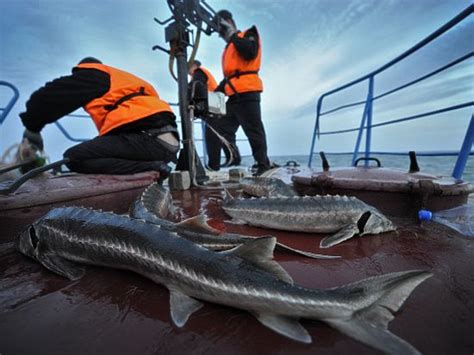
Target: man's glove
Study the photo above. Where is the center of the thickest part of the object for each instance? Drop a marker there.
(227, 29)
(34, 138)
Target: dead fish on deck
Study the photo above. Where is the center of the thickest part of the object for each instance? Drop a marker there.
(154, 204)
(266, 187)
(348, 216)
(362, 310)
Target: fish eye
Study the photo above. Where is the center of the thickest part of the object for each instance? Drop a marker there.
(33, 238)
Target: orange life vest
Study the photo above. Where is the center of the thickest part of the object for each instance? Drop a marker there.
(241, 75)
(129, 99)
(211, 82)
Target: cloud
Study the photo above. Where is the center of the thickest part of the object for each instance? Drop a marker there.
(309, 47)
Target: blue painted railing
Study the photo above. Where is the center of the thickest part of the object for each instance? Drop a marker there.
(4, 111)
(367, 116)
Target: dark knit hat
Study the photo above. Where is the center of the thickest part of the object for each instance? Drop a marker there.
(224, 14)
(90, 60)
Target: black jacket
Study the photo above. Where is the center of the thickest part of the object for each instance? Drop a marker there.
(66, 94)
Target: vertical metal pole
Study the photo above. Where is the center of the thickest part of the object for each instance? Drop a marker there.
(316, 131)
(465, 151)
(361, 128)
(186, 124)
(204, 144)
(368, 133)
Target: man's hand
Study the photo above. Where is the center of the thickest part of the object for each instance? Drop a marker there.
(227, 29)
(34, 138)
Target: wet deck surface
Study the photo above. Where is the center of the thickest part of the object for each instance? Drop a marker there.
(117, 312)
(37, 196)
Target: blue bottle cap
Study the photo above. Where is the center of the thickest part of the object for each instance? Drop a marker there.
(425, 215)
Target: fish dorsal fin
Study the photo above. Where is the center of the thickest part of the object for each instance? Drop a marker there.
(198, 224)
(182, 306)
(260, 253)
(288, 327)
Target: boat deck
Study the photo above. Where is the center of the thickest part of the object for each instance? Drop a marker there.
(117, 312)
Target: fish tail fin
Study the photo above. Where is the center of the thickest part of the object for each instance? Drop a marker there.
(380, 298)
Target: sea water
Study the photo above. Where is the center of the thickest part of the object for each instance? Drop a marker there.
(432, 165)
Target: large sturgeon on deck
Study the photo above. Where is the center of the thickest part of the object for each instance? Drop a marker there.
(67, 236)
(154, 204)
(348, 216)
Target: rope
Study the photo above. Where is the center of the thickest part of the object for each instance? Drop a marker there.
(224, 142)
(5, 157)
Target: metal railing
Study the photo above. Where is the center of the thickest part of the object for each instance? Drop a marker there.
(366, 123)
(4, 111)
(197, 121)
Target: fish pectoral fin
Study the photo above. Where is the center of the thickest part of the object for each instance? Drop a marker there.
(377, 337)
(345, 233)
(259, 252)
(62, 266)
(287, 327)
(198, 224)
(182, 306)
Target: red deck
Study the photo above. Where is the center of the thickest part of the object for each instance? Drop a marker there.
(37, 196)
(116, 312)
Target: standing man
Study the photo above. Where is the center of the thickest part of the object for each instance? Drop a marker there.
(240, 64)
(202, 82)
(137, 129)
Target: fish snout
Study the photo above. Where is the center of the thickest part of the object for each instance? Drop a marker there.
(378, 223)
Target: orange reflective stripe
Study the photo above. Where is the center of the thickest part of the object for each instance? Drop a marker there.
(130, 98)
(241, 75)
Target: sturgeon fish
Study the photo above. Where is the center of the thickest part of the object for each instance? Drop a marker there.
(348, 216)
(154, 204)
(67, 237)
(266, 187)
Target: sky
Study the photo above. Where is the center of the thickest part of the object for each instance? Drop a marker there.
(309, 47)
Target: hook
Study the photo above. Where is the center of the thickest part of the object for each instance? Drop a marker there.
(163, 22)
(161, 49)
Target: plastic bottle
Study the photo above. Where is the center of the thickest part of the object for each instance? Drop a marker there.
(459, 218)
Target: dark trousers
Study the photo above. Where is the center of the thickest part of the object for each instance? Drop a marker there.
(124, 153)
(244, 110)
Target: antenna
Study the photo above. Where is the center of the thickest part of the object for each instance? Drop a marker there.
(177, 33)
